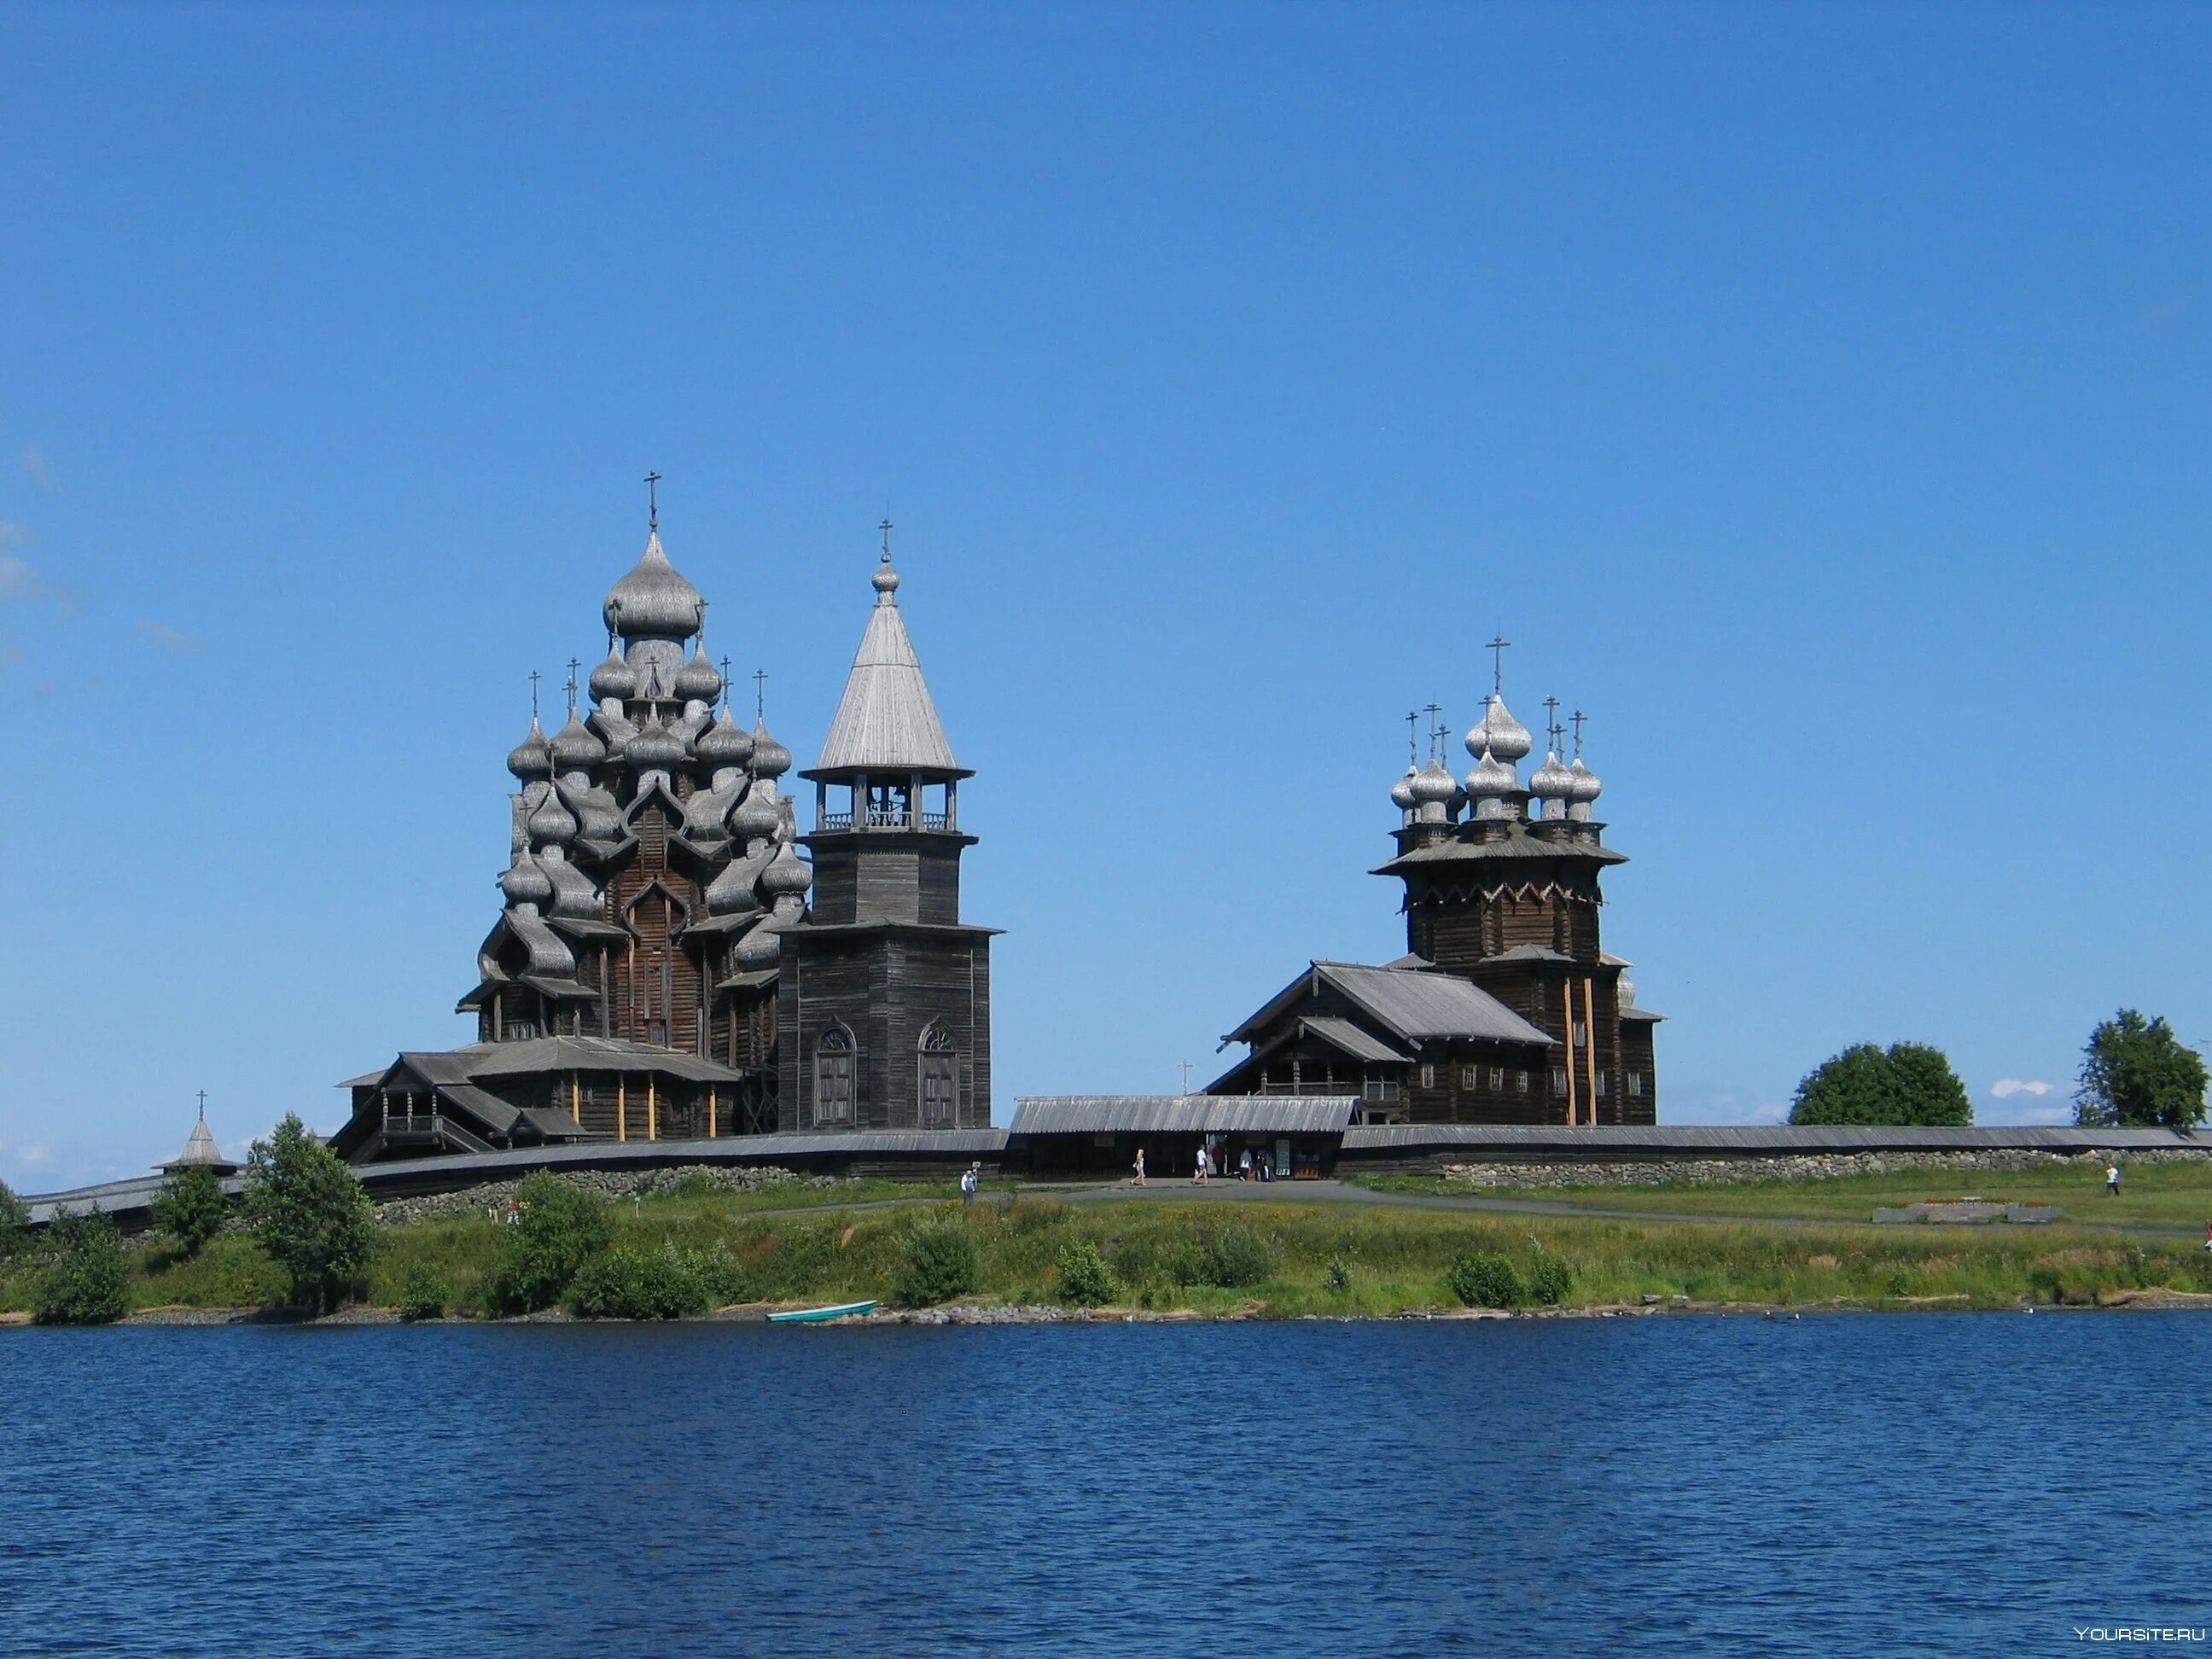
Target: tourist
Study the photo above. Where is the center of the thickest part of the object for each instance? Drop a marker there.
(967, 1185)
(1244, 1164)
(1198, 1170)
(2112, 1179)
(1141, 1168)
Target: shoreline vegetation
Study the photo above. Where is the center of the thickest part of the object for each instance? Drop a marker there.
(699, 1250)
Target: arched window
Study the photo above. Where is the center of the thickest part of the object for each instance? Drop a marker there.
(939, 1063)
(833, 1076)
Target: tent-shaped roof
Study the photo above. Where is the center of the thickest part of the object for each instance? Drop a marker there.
(201, 1150)
(886, 720)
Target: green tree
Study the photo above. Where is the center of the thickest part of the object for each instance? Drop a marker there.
(309, 1212)
(15, 1223)
(1907, 1082)
(2136, 1074)
(190, 1207)
(558, 1228)
(86, 1279)
(939, 1261)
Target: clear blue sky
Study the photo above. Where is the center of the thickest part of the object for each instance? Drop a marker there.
(1817, 396)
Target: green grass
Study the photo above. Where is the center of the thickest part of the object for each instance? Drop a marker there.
(2173, 1195)
(1397, 1259)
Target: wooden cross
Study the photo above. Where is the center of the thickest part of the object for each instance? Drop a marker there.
(1551, 727)
(533, 695)
(1412, 740)
(1432, 711)
(202, 1105)
(726, 682)
(760, 695)
(886, 527)
(653, 501)
(574, 663)
(1576, 720)
(1497, 648)
(1186, 1077)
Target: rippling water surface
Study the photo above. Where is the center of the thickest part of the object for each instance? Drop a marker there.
(1923, 1483)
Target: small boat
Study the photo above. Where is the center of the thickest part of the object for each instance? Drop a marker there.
(816, 1315)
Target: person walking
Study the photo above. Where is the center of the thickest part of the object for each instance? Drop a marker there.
(1244, 1164)
(1141, 1168)
(1198, 1170)
(967, 1185)
(2112, 1179)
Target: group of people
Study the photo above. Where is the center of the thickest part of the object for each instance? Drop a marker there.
(1248, 1167)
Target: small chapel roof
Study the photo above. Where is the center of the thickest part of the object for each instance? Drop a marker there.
(887, 720)
(201, 1150)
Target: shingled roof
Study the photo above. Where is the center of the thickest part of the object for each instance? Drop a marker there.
(886, 720)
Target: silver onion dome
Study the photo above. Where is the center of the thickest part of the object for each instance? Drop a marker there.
(551, 822)
(698, 680)
(613, 680)
(654, 602)
(723, 744)
(1551, 781)
(531, 758)
(885, 580)
(1587, 788)
(1433, 786)
(1499, 734)
(757, 815)
(653, 748)
(770, 758)
(1489, 786)
(524, 883)
(1401, 792)
(576, 747)
(787, 872)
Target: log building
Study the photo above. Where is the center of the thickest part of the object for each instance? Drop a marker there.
(656, 972)
(1506, 1008)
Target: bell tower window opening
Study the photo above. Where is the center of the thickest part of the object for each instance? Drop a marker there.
(833, 1076)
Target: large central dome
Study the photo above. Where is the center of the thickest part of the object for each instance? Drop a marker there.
(654, 602)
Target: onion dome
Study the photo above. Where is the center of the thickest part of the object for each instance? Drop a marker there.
(1551, 781)
(756, 817)
(770, 758)
(698, 680)
(574, 893)
(524, 883)
(613, 680)
(1401, 792)
(531, 758)
(576, 747)
(760, 947)
(1499, 733)
(653, 602)
(787, 874)
(723, 744)
(551, 821)
(886, 580)
(1587, 788)
(732, 891)
(1493, 781)
(654, 748)
(1433, 786)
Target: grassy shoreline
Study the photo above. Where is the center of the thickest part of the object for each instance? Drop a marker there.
(1326, 1260)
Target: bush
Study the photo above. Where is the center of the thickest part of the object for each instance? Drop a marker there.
(725, 1276)
(1238, 1256)
(310, 1213)
(424, 1293)
(629, 1282)
(2136, 1074)
(1486, 1281)
(558, 1228)
(939, 1261)
(86, 1279)
(1908, 1083)
(15, 1223)
(1551, 1280)
(1337, 1274)
(190, 1208)
(1084, 1278)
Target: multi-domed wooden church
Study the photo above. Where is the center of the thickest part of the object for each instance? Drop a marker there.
(657, 970)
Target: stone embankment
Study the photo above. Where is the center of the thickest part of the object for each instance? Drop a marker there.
(608, 1183)
(1795, 1167)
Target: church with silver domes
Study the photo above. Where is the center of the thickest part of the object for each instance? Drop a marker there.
(657, 971)
(1506, 1008)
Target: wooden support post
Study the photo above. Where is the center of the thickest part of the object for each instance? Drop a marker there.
(575, 1098)
(1567, 991)
(710, 1114)
(651, 1108)
(1590, 1048)
(622, 1108)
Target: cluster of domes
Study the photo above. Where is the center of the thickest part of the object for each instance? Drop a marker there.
(1499, 742)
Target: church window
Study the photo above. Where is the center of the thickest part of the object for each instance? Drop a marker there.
(939, 1083)
(1428, 1077)
(1601, 1085)
(1523, 1084)
(1379, 1084)
(1497, 1079)
(1467, 1076)
(1559, 1080)
(1636, 1082)
(833, 1076)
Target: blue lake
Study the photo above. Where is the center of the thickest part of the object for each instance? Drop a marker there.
(1927, 1483)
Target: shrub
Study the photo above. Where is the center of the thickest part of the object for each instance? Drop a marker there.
(1907, 1082)
(309, 1212)
(190, 1208)
(15, 1223)
(86, 1279)
(558, 1228)
(725, 1276)
(1238, 1256)
(1084, 1278)
(628, 1282)
(1551, 1280)
(424, 1293)
(1486, 1281)
(939, 1261)
(1337, 1274)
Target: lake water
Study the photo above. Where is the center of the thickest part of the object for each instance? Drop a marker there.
(1926, 1484)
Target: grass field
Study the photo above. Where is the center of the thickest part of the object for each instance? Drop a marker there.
(2161, 1195)
(1336, 1259)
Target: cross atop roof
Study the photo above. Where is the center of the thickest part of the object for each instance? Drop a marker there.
(760, 695)
(886, 527)
(1576, 720)
(1497, 648)
(533, 695)
(653, 501)
(574, 663)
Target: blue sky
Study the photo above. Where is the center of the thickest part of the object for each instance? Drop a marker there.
(1816, 395)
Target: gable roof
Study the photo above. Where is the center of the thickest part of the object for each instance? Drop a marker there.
(1412, 1004)
(886, 718)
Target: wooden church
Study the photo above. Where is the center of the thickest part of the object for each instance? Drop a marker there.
(1506, 1008)
(656, 971)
